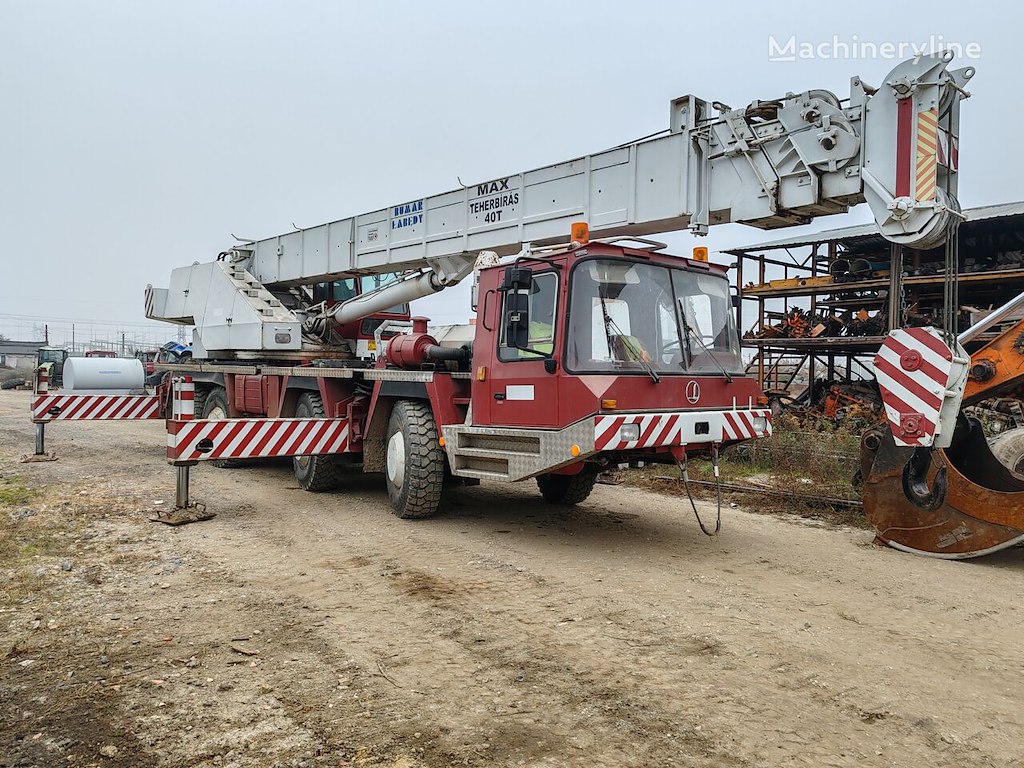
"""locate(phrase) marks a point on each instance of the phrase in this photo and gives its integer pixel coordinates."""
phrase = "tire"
(314, 473)
(213, 404)
(414, 470)
(198, 401)
(568, 489)
(1008, 448)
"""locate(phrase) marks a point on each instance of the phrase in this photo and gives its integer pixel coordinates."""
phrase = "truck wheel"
(415, 461)
(213, 404)
(568, 489)
(198, 401)
(314, 473)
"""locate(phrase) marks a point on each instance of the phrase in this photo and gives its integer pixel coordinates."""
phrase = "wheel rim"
(396, 459)
(216, 414)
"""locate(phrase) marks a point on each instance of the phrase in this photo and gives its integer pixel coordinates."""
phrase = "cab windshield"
(627, 316)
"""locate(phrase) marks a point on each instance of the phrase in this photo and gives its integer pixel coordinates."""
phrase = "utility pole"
(46, 335)
(72, 350)
(122, 343)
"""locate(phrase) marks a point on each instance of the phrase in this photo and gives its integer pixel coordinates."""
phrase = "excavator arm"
(997, 368)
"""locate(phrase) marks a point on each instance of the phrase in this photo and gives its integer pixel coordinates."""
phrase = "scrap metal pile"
(851, 269)
(855, 405)
(798, 323)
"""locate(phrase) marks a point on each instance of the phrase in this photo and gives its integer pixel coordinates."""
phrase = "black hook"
(915, 481)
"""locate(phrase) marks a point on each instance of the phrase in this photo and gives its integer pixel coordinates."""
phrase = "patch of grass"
(13, 491)
(21, 585)
(27, 542)
(792, 462)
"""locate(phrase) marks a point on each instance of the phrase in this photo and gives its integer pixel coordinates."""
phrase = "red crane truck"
(586, 352)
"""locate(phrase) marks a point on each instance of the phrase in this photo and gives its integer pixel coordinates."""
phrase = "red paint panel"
(904, 145)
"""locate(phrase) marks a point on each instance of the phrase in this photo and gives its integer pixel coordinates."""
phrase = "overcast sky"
(137, 135)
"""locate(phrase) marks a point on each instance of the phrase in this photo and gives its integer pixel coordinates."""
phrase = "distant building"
(19, 354)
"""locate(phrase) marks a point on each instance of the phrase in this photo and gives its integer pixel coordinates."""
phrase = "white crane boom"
(771, 164)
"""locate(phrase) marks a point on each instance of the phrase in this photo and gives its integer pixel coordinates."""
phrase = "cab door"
(519, 390)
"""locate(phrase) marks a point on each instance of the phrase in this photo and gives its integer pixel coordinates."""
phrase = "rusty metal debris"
(854, 405)
(955, 503)
(798, 323)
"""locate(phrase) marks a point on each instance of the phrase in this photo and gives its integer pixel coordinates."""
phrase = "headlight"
(629, 433)
(760, 424)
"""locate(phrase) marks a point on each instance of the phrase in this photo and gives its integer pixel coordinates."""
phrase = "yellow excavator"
(932, 483)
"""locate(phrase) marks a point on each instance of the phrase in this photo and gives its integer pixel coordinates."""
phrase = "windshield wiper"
(630, 348)
(692, 334)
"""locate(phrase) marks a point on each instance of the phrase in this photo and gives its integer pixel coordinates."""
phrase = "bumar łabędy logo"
(407, 215)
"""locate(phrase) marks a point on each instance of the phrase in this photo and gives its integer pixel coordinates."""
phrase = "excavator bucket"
(953, 503)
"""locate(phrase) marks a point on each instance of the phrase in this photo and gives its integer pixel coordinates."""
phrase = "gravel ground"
(299, 629)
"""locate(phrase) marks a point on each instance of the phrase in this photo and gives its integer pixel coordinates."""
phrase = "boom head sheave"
(911, 150)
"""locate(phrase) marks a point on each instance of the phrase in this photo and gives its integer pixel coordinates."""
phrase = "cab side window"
(543, 301)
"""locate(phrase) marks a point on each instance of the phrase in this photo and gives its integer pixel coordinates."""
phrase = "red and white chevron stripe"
(914, 369)
(655, 429)
(198, 440)
(183, 398)
(659, 429)
(95, 407)
(42, 381)
(739, 425)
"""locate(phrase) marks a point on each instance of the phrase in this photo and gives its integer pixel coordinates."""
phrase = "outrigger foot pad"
(193, 513)
(30, 458)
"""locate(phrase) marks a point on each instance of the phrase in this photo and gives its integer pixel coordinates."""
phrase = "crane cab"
(602, 327)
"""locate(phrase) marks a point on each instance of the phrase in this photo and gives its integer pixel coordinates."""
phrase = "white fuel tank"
(103, 374)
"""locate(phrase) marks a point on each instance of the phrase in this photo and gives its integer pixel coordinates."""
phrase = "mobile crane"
(590, 348)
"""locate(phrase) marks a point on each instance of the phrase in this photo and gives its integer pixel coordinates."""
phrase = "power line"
(154, 324)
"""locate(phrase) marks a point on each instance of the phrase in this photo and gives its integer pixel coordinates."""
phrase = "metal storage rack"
(774, 278)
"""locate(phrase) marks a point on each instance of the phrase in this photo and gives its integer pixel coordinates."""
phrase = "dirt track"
(319, 630)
